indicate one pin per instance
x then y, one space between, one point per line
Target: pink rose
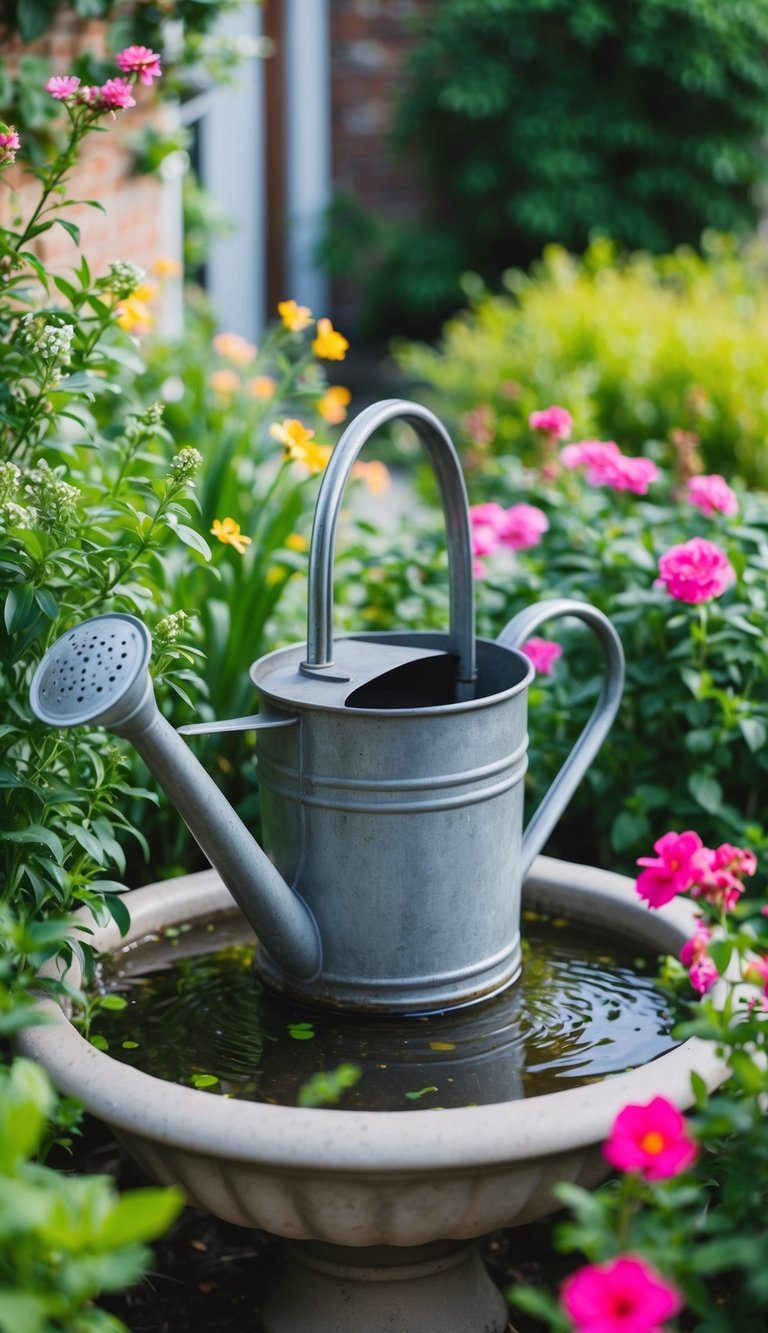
543 653
523 527
712 495
624 1295
672 871
115 95
140 60
701 970
650 1139
554 420
719 874
594 454
623 473
487 522
696 571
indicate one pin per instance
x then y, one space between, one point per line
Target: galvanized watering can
390 769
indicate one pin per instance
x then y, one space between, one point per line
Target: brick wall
133 225
369 40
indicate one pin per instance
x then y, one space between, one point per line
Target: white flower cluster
54 500
124 278
13 514
168 630
145 425
185 464
51 341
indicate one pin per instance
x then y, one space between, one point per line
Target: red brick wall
131 227
369 40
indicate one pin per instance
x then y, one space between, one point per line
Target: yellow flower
296 542
329 345
295 317
375 475
263 386
134 315
167 267
225 382
333 404
228 532
292 433
234 348
144 292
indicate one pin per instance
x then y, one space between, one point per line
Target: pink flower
623 473
554 420
701 970
523 527
115 94
62 86
10 144
487 522
480 424
719 874
696 571
593 454
672 871
712 495
625 1295
756 971
543 653
140 60
650 1139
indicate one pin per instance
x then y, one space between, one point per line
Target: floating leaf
301 1031
414 1096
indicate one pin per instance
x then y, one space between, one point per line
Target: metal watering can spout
96 675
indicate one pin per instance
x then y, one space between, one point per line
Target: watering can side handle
445 462
514 635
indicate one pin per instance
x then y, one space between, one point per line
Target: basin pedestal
379 1208
330 1289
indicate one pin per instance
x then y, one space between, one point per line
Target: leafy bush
552 120
635 348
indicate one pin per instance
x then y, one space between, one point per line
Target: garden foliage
552 120
636 347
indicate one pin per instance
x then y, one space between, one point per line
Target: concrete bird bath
380 1211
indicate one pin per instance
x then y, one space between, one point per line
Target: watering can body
391 773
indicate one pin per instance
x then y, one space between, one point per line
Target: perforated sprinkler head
96 673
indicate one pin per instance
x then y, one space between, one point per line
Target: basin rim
371 1143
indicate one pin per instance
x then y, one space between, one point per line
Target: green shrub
634 349
551 120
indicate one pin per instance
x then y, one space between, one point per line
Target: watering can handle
514 635
445 462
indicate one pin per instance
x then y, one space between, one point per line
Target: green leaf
720 952
706 791
301 1031
119 912
752 1078
141 1215
67 289
47 603
415 1096
38 834
204 1080
193 539
754 732
628 829
19 607
70 228
33 17
113 1002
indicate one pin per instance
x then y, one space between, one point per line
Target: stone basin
381 1209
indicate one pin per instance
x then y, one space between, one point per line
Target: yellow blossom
165 266
225 382
313 456
375 475
329 345
228 531
291 432
134 315
263 386
297 542
295 317
333 404
144 292
234 348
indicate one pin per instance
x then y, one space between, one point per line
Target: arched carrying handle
445 462
514 635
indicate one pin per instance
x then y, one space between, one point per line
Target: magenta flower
10 144
140 60
625 1295
623 473
487 522
592 454
523 527
701 970
712 495
650 1139
554 420
62 86
696 571
543 653
719 874
115 95
672 871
